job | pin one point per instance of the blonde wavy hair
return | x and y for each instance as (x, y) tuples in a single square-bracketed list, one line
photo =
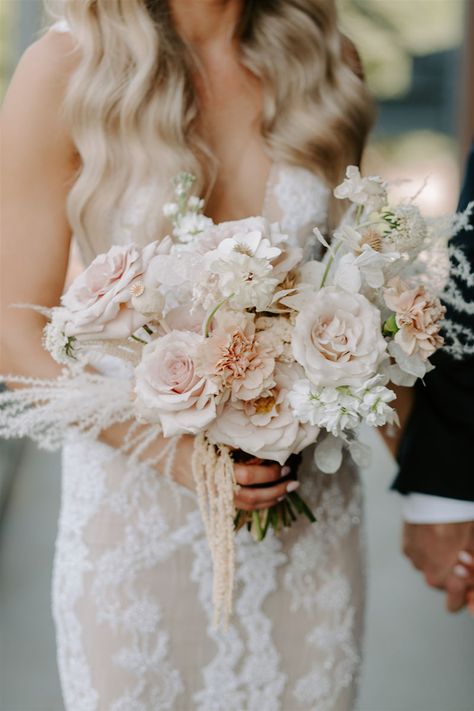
[(132, 106)]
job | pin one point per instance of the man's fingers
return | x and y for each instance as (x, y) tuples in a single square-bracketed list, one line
[(456, 589), (465, 567), (470, 601)]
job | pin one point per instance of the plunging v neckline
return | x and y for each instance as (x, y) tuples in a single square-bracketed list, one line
[(263, 210)]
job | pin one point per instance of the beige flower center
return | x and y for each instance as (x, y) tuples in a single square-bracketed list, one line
[(263, 405), (373, 239)]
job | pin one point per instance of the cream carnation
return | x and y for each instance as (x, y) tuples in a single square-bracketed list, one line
[(338, 338), (168, 389), (418, 316), (238, 358)]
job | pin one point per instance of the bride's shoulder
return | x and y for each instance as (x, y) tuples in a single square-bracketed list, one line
[(31, 112), (46, 66)]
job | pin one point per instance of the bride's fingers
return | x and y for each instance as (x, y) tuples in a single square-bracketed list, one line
[(248, 474), (248, 499)]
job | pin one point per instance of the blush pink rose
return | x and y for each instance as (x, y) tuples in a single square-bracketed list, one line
[(338, 338), (265, 427), (418, 315), (98, 303), (168, 389)]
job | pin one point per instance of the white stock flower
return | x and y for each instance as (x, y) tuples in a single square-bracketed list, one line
[(342, 409), (374, 398), (332, 409), (170, 209), (195, 203), (61, 347), (190, 225), (371, 192)]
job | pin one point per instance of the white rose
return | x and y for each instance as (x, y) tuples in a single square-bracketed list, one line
[(168, 389), (338, 338)]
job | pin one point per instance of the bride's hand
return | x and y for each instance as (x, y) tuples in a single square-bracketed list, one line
[(255, 489), (253, 478)]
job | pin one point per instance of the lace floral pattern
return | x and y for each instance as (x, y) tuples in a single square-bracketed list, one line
[(132, 581)]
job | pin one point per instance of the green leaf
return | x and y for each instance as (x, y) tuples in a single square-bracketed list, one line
[(301, 506), (390, 327)]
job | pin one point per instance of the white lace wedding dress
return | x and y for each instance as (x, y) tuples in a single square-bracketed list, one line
[(132, 575)]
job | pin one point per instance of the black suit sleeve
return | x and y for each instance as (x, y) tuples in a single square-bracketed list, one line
[(436, 454)]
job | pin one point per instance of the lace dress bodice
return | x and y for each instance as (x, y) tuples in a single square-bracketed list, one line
[(294, 197)]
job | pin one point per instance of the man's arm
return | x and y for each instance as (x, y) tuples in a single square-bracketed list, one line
[(435, 453)]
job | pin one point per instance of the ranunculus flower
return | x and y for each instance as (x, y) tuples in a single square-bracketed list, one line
[(168, 389), (237, 357), (338, 338), (266, 426), (418, 315), (98, 303)]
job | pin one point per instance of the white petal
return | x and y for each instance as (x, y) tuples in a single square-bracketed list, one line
[(328, 454), (361, 453), (347, 275)]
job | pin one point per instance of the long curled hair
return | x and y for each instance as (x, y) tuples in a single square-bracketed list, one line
[(132, 105)]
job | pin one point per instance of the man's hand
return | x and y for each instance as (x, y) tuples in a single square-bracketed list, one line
[(441, 551)]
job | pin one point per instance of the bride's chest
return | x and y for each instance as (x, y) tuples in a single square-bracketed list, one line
[(294, 197)]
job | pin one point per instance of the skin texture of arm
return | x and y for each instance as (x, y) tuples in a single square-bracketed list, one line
[(39, 163)]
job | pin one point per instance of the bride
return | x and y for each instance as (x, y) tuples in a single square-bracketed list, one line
[(264, 103)]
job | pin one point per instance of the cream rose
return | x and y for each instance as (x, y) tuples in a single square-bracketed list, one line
[(98, 303), (266, 426), (168, 389), (338, 338)]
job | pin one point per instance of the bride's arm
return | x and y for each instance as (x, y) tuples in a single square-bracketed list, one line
[(38, 167)]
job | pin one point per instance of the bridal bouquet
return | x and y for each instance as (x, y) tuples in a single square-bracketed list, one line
[(233, 338)]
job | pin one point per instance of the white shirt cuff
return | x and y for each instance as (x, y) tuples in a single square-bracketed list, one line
[(424, 508)]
